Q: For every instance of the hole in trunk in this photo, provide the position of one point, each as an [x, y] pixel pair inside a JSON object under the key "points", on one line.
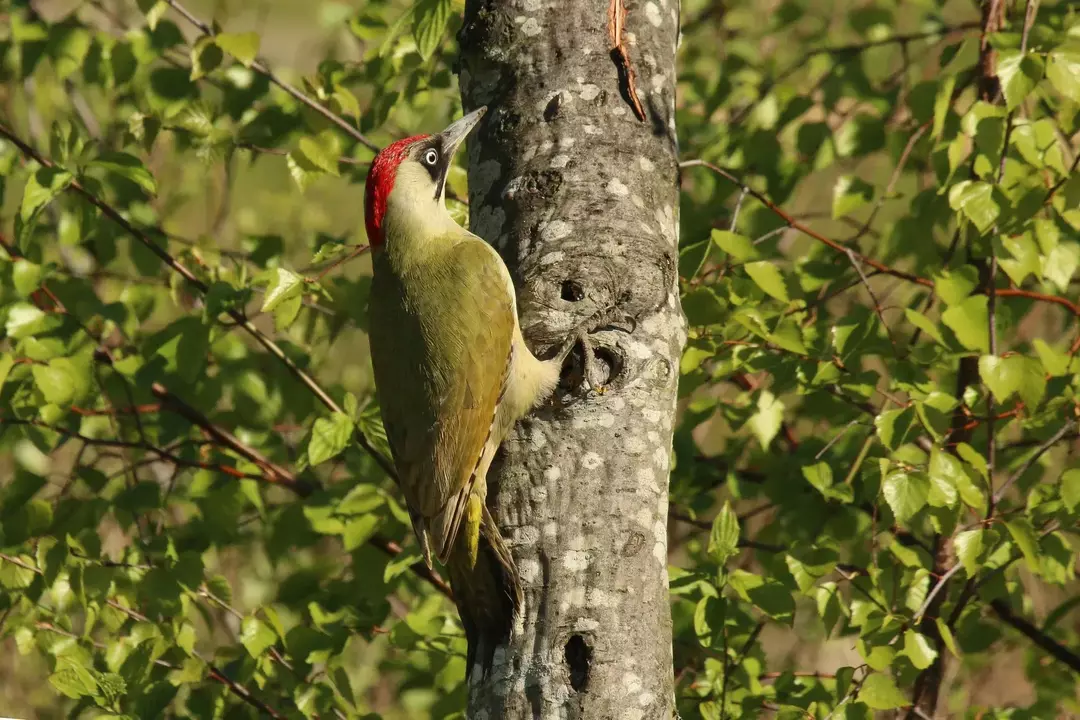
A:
{"points": [[572, 291], [578, 659]]}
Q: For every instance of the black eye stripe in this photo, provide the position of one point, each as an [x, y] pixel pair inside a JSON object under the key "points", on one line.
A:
{"points": [[432, 159]]}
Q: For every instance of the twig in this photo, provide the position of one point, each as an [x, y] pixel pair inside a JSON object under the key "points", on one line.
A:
{"points": [[212, 671], [893, 179], [1035, 635], [271, 472], [873, 298], [852, 48], [793, 223], [942, 581], [356, 252], [273, 348], [1058, 185], [1065, 429], [392, 549], [260, 67], [879, 268], [162, 454]]}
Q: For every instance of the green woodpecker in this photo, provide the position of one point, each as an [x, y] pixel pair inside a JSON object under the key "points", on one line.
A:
{"points": [[452, 372]]}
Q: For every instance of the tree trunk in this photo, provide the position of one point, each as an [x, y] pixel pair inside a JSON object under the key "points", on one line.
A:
{"points": [[581, 198]]}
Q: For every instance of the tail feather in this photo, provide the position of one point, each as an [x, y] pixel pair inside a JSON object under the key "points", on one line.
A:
{"points": [[488, 593]]}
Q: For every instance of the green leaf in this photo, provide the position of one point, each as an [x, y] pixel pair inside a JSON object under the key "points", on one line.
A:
{"points": [[1018, 73], [322, 151], [969, 321], [68, 45], [906, 493], [849, 194], [283, 286], [954, 286], [1070, 489], [1063, 71], [63, 381], [193, 670], [1013, 374], [1055, 362], [1060, 264], [41, 188], [925, 324], [127, 166], [74, 682], [766, 422], [329, 436], [737, 246], [969, 548], [153, 9], [205, 56], [1023, 534], [946, 472], [768, 277], [947, 636], [256, 636], [724, 537], [400, 565], [26, 320], [703, 306], [26, 277], [7, 361], [942, 103], [819, 475], [918, 649], [429, 25], [242, 46], [892, 426], [975, 199], [879, 692], [1025, 258]]}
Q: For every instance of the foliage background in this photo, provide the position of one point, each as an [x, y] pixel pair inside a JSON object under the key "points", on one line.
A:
{"points": [[877, 487]]}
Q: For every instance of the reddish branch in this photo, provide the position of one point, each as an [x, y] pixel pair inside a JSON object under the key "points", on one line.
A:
{"points": [[278, 475], [271, 472], [879, 267], [621, 57], [133, 410]]}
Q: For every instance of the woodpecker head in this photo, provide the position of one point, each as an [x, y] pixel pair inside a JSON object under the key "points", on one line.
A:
{"points": [[407, 179]]}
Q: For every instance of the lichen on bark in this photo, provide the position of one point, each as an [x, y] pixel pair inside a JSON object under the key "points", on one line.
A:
{"points": [[581, 199]]}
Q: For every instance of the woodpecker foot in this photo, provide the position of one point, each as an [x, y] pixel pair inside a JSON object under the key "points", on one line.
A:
{"points": [[611, 317]]}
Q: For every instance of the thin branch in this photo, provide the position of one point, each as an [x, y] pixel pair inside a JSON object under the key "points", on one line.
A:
{"points": [[938, 587], [213, 672], [873, 298], [1035, 635], [880, 268], [851, 49], [1054, 439], [260, 67], [273, 348], [271, 472], [905, 155], [793, 223]]}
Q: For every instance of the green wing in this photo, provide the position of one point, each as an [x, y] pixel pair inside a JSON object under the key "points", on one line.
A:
{"points": [[441, 339]]}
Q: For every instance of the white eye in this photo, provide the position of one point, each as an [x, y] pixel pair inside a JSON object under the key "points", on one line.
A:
{"points": [[431, 157]]}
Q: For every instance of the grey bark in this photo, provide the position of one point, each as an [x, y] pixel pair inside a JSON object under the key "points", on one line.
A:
{"points": [[581, 198]]}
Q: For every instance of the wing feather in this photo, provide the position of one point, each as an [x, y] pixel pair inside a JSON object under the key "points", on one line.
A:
{"points": [[440, 345]]}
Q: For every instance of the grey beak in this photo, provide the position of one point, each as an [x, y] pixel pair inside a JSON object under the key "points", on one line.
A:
{"points": [[460, 129]]}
